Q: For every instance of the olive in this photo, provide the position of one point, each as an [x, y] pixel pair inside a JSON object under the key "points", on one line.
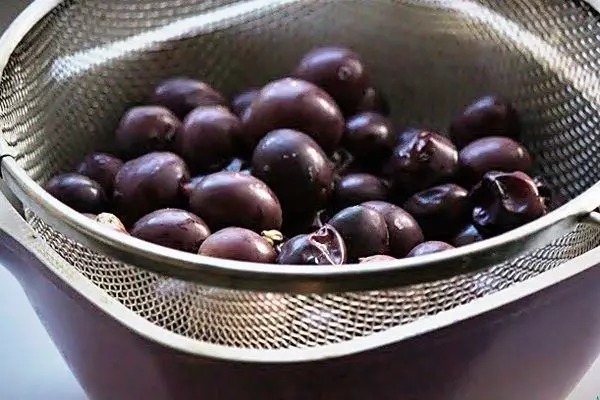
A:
{"points": [[207, 139], [242, 101], [376, 258], [404, 231], [354, 189], [239, 244], [149, 183], [182, 95], [297, 170], [423, 161], [145, 129], [373, 100], [441, 210], [173, 228], [102, 168], [293, 104], [111, 221], [492, 153], [78, 192], [225, 199], [369, 137], [364, 231], [429, 248], [323, 247], [488, 116], [467, 235], [552, 199], [503, 201], [339, 71]]}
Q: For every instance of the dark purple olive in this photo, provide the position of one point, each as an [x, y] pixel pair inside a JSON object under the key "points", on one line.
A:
{"points": [[552, 199], [492, 153], [364, 231], [78, 192], [242, 101], [376, 258], [294, 104], [369, 137], [441, 210], [207, 139], [239, 244], [355, 189], [503, 201], [466, 236], [339, 71], [225, 199], [404, 136], [323, 247], [404, 231], [488, 116], [429, 248], [145, 129], [102, 168], [425, 160], [296, 169], [373, 100], [182, 95], [111, 221], [149, 183], [173, 228]]}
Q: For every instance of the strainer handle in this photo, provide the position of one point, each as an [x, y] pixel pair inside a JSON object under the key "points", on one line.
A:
{"points": [[297, 279]]}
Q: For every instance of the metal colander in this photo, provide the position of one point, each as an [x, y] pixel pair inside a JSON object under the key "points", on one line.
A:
{"points": [[68, 80]]}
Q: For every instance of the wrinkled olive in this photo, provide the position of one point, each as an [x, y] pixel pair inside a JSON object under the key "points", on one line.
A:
{"points": [[323, 247]]}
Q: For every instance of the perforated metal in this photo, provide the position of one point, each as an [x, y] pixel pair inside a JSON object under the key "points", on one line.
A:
{"points": [[71, 78]]}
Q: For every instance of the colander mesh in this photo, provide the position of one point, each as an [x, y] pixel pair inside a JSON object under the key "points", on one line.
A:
{"points": [[71, 78]]}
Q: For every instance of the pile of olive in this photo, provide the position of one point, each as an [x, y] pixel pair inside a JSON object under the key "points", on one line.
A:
{"points": [[306, 170]]}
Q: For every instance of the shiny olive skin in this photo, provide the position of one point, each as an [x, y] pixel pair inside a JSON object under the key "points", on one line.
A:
{"points": [[376, 258], [369, 137], [296, 169], [145, 129], [149, 183], [111, 221], [207, 141], [226, 199], [293, 104], [430, 247], [173, 228], [78, 192], [503, 201], [102, 168], [466, 236], [242, 101], [426, 159], [322, 247], [354, 189], [404, 231], [239, 244], [440, 210], [339, 71], [488, 116], [492, 153], [364, 231], [182, 95], [373, 100]]}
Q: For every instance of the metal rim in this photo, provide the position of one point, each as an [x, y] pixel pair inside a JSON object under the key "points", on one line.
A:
{"points": [[244, 275]]}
